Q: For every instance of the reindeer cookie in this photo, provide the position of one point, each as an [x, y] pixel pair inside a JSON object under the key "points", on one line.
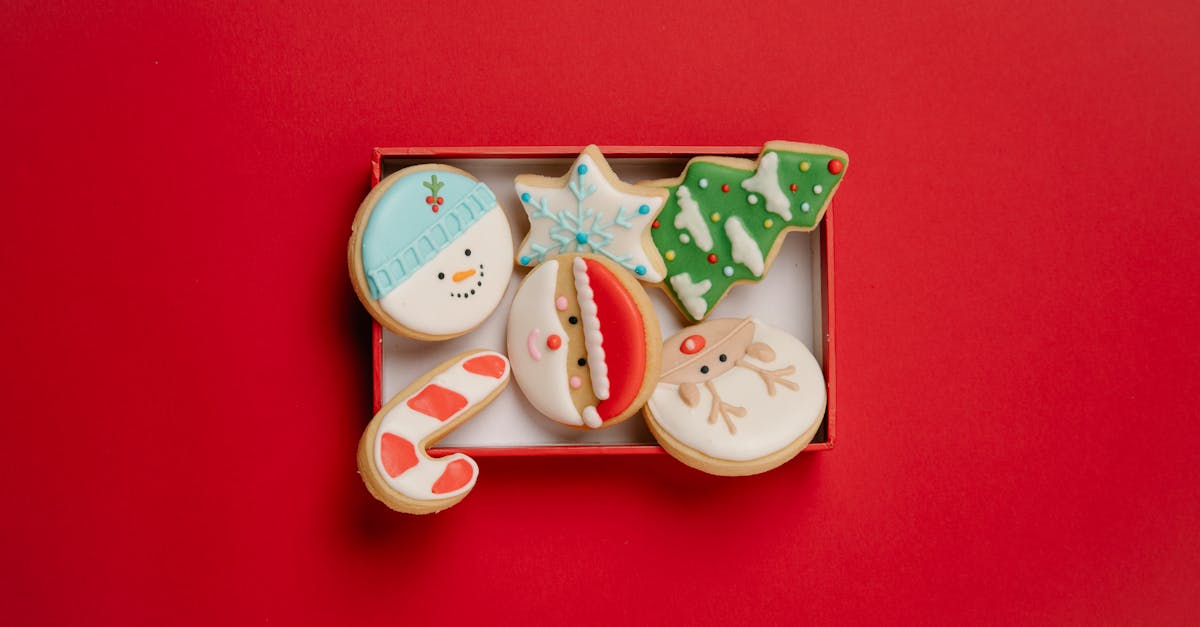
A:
{"points": [[584, 341], [391, 454], [736, 397], [430, 252]]}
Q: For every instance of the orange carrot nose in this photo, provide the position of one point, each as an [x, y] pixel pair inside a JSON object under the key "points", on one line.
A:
{"points": [[465, 274]]}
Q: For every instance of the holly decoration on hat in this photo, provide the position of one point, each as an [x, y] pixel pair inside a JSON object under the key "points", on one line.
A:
{"points": [[726, 217], [434, 186]]}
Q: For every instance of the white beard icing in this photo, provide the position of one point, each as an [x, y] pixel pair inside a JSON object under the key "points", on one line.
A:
{"points": [[544, 379], [771, 423], [427, 304]]}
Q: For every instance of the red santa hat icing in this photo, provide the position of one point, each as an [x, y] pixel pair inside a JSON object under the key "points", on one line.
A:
{"points": [[614, 334]]}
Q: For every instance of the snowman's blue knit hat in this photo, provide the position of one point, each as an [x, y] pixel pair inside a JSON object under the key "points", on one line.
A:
{"points": [[406, 230]]}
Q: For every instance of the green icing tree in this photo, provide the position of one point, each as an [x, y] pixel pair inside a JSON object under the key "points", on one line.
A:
{"points": [[725, 217]]}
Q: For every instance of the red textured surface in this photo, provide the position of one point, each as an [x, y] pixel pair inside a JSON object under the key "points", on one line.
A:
{"points": [[188, 371]]}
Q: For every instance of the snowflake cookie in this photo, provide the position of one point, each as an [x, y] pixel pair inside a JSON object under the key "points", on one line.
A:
{"points": [[726, 217], [590, 210]]}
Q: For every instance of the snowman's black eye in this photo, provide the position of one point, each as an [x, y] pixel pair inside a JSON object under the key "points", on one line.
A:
{"points": [[703, 369], [582, 362], [573, 320], [723, 357], [441, 275], [468, 252]]}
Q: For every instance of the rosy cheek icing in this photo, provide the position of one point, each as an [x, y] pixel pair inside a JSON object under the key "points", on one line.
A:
{"points": [[560, 303], [576, 382]]}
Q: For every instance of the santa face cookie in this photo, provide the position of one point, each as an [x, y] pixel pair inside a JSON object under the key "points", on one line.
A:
{"points": [[736, 397], [584, 341], [590, 210], [431, 252], [391, 454], [726, 218]]}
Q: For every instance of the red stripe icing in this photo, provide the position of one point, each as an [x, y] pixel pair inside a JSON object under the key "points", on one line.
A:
{"points": [[455, 476], [437, 401], [492, 366], [624, 332], [396, 454]]}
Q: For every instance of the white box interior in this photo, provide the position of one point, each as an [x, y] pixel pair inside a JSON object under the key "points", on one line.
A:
{"points": [[788, 298]]}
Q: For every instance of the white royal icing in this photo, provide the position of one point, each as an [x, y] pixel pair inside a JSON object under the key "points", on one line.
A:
{"points": [[766, 182], [427, 304], [593, 339], [691, 294], [544, 381], [745, 249], [690, 218], [771, 422], [591, 417], [589, 214], [414, 426]]}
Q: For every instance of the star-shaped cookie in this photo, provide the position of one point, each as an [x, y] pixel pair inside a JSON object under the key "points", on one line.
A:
{"points": [[590, 210]]}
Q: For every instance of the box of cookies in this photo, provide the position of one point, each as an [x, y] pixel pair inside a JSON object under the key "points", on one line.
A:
{"points": [[641, 300]]}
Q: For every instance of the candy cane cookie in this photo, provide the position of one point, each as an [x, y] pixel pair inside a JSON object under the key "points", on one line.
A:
{"points": [[392, 458]]}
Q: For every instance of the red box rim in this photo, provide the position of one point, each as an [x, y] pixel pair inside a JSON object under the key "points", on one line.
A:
{"points": [[517, 152]]}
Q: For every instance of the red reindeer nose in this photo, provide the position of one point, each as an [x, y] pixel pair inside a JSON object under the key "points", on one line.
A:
{"points": [[692, 344]]}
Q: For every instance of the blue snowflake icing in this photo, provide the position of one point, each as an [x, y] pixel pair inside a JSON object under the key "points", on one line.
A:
{"points": [[580, 229]]}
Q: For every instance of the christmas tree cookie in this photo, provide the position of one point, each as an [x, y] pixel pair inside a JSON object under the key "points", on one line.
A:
{"points": [[590, 210], [725, 218]]}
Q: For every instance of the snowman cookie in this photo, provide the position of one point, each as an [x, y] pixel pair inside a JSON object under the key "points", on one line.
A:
{"points": [[430, 252], [736, 397], [584, 341], [391, 454]]}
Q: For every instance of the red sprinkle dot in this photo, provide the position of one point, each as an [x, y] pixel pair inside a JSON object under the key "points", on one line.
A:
{"points": [[655, 224], [725, 188], [835, 166], [792, 187], [429, 200], [554, 342], [692, 344], [712, 258]]}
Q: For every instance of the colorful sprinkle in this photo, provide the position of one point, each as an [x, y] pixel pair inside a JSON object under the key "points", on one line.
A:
{"points": [[712, 258], [804, 166], [554, 342], [817, 189], [703, 183], [805, 206], [685, 238], [835, 166], [640, 270], [752, 199], [644, 209], [725, 188], [715, 217], [768, 223], [728, 271], [524, 260], [793, 187], [582, 169], [525, 197], [670, 255], [655, 224], [581, 237]]}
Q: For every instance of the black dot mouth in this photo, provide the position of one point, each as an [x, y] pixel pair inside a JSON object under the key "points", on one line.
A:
{"points": [[468, 292]]}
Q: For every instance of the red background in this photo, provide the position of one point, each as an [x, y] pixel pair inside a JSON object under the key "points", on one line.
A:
{"points": [[188, 368]]}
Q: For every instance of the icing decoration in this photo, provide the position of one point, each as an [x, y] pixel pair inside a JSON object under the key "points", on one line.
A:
{"points": [[554, 342], [835, 166], [691, 294], [766, 200], [692, 344], [767, 392], [425, 239], [689, 218], [592, 338], [410, 422], [745, 249], [766, 182], [531, 344], [614, 334], [600, 214], [560, 303], [543, 380]]}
